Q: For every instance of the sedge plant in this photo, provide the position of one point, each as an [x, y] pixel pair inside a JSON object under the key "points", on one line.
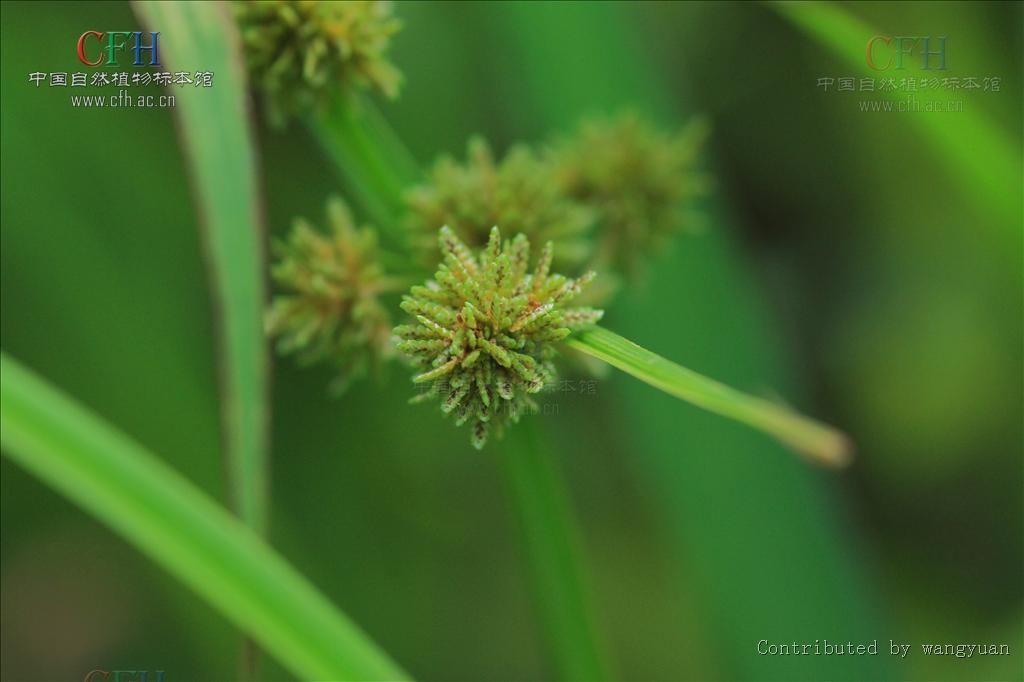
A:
{"points": [[485, 332], [620, 182]]}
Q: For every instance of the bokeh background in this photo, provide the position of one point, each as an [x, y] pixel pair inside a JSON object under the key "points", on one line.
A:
{"points": [[844, 264]]}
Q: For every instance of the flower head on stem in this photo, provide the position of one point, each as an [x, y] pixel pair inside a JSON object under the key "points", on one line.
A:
{"points": [[486, 327], [332, 311], [472, 197], [299, 51], [639, 180]]}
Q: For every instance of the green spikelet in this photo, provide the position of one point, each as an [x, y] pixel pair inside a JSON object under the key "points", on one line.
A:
{"points": [[641, 182], [485, 329], [300, 51], [474, 196], [332, 310]]}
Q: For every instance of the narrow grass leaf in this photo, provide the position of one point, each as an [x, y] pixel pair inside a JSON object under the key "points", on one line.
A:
{"points": [[167, 518], [214, 126], [817, 441]]}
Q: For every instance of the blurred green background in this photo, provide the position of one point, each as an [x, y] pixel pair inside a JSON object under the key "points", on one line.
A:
{"points": [[844, 264]]}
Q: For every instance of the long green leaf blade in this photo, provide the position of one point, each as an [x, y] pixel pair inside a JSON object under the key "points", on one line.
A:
{"points": [[819, 442], [166, 517], [200, 36]]}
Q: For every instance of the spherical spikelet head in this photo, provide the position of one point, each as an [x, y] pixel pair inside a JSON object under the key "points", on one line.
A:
{"points": [[472, 197], [300, 51], [331, 311], [486, 329], [641, 182]]}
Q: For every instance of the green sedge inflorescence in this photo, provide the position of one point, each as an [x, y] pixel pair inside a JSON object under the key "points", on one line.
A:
{"points": [[605, 198], [300, 51], [520, 190], [640, 181], [486, 327], [332, 310]]}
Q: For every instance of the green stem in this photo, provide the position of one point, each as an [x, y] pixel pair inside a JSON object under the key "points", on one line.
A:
{"points": [[817, 441], [178, 526], [363, 149], [401, 161], [552, 545]]}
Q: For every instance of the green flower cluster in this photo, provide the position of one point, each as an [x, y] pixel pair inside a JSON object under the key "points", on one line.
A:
{"points": [[486, 327], [608, 196], [333, 311], [639, 180], [520, 190], [299, 52]]}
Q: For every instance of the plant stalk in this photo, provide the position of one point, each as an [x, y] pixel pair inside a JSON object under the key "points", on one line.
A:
{"points": [[553, 552], [369, 157]]}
